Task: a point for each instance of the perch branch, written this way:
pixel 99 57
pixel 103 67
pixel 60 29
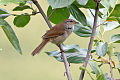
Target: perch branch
pixel 65 63
pixel 50 26
pixel 51 13
pixel 91 39
pixel 42 13
pixel 111 69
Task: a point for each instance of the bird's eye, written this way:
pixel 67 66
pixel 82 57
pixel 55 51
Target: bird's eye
pixel 71 21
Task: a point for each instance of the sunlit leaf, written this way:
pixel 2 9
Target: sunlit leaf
pixel 115 38
pixel 95 68
pixel 4 13
pixel 77 14
pixel 21 20
pixel 21 8
pixel 82 2
pixel 74 54
pixel 110 25
pixel 4 2
pixel 59 15
pixel 10 35
pixel 111 49
pixel 101 48
pixel 60 3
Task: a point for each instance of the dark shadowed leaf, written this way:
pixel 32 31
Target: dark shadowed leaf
pixel 59 15
pixel 77 14
pixel 21 8
pixel 60 3
pixel 101 48
pixel 4 13
pixel 82 2
pixel 115 38
pixel 74 54
pixel 10 35
pixel 110 25
pixel 95 68
pixel 116 11
pixel 21 20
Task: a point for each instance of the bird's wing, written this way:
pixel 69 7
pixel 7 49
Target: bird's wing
pixel 54 32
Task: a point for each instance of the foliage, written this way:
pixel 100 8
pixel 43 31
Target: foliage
pixel 109 19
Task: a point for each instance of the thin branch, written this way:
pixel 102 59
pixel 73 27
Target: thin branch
pixel 51 13
pixel 111 69
pixel 50 26
pixel 91 40
pixel 91 12
pixel 42 13
pixel 65 63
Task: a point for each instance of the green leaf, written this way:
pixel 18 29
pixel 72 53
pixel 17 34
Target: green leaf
pixel 101 48
pixel 82 31
pixel 59 15
pixel 21 20
pixel 90 4
pixel 4 2
pixel 21 8
pixel 77 14
pixel 114 19
pixel 82 2
pixel 110 49
pixel 4 13
pixel 100 77
pixel 110 25
pixel 115 38
pixel 74 54
pixel 116 11
pixel 10 35
pixel 60 3
pixel 95 68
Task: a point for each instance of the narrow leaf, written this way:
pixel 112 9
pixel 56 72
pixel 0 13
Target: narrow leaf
pixel 10 35
pixel 95 68
pixel 21 20
pixel 100 77
pixel 77 14
pixel 59 15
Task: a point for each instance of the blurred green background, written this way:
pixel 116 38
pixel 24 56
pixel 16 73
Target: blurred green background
pixel 14 66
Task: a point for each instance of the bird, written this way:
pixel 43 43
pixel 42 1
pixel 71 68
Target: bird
pixel 57 34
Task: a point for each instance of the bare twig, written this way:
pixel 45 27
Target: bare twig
pixel 111 69
pixel 50 26
pixel 51 13
pixel 91 39
pixel 65 63
pixel 42 13
pixel 91 12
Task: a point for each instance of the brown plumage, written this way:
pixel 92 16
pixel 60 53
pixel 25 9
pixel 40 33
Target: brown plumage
pixel 57 34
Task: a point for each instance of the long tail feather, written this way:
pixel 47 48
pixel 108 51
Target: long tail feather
pixel 39 48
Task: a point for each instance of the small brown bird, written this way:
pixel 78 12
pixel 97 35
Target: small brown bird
pixel 57 34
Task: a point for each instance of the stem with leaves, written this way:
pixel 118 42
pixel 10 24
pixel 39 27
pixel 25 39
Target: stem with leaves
pixel 50 26
pixel 91 39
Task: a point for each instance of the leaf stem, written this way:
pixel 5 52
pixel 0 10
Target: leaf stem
pixel 51 13
pixel 91 39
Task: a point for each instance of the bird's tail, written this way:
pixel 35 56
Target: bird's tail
pixel 39 48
